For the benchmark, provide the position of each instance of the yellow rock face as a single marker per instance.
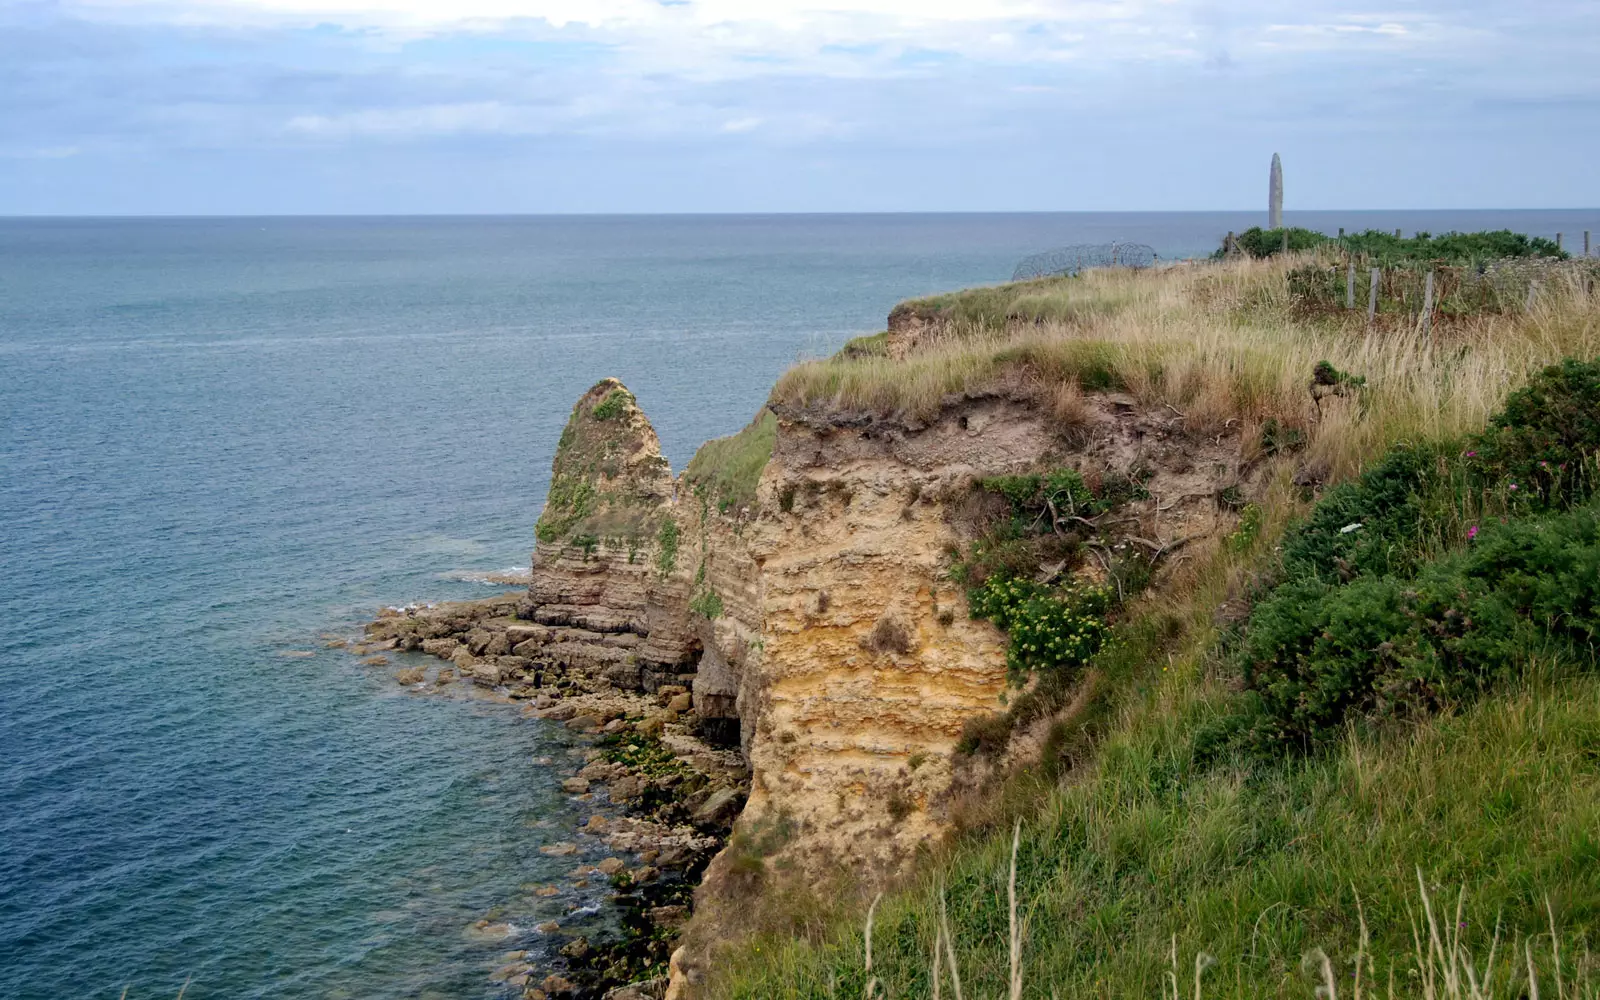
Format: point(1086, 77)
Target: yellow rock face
point(870, 664)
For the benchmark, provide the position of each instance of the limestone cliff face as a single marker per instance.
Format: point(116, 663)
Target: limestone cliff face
point(870, 664)
point(634, 578)
point(606, 579)
point(818, 626)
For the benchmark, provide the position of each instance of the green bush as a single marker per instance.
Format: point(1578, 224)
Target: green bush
point(1258, 242)
point(1049, 628)
point(1543, 444)
point(1371, 618)
point(1316, 653)
point(613, 405)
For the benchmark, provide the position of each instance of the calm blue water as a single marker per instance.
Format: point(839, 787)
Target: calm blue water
point(222, 438)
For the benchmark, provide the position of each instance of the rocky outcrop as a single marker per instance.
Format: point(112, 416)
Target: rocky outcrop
point(817, 628)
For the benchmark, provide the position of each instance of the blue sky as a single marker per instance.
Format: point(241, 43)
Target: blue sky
point(311, 106)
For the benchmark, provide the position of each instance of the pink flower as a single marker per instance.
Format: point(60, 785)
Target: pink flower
point(1472, 454)
point(1472, 532)
point(1513, 485)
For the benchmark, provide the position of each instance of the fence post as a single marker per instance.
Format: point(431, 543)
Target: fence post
point(1341, 232)
point(1372, 296)
point(1427, 305)
point(1397, 234)
point(1533, 293)
point(1350, 285)
point(1285, 239)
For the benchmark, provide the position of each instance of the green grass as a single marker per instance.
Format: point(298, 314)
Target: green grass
point(1255, 869)
point(728, 468)
point(1153, 842)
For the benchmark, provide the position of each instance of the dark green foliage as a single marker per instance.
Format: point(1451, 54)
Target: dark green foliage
point(1388, 502)
point(1382, 612)
point(1386, 249)
point(707, 605)
point(1258, 242)
point(1049, 628)
point(1324, 373)
point(1317, 653)
point(1546, 438)
point(613, 405)
point(1451, 248)
point(667, 546)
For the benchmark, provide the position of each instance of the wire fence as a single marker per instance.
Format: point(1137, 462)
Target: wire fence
point(1072, 260)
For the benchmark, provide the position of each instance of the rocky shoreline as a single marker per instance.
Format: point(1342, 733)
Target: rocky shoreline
point(673, 795)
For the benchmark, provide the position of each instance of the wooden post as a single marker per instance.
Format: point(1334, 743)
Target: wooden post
point(1397, 234)
point(1427, 305)
point(1286, 240)
point(1341, 232)
point(1372, 296)
point(1350, 285)
point(1533, 293)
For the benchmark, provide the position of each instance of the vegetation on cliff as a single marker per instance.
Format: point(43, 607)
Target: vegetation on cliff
point(609, 479)
point(726, 469)
point(1388, 679)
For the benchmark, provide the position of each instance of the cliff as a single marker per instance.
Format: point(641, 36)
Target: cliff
point(797, 579)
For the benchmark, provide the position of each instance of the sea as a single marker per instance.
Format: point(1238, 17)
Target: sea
point(226, 442)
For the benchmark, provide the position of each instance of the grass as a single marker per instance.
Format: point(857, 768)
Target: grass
point(1256, 873)
point(728, 468)
point(1218, 343)
point(1145, 856)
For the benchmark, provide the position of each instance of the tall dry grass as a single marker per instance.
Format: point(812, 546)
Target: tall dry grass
point(1223, 345)
point(1441, 965)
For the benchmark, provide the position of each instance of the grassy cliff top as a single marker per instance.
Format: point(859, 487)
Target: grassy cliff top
point(1435, 616)
point(1229, 341)
point(727, 469)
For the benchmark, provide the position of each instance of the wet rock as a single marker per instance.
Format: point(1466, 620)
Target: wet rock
point(410, 676)
point(610, 866)
point(463, 659)
point(614, 726)
point(546, 891)
point(445, 676)
point(720, 807)
point(560, 712)
point(644, 873)
point(576, 948)
point(375, 661)
point(548, 927)
point(666, 692)
point(584, 722)
point(575, 786)
point(560, 850)
point(497, 645)
point(626, 788)
point(650, 989)
point(554, 984)
point(442, 648)
point(668, 916)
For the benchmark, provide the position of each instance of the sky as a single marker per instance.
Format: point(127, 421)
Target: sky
point(443, 106)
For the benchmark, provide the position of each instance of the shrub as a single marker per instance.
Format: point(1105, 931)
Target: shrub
point(707, 605)
point(1258, 242)
point(1316, 653)
point(667, 546)
point(1371, 619)
point(1546, 438)
point(613, 405)
point(1049, 629)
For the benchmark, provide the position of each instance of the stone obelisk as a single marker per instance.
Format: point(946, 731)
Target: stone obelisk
point(1275, 195)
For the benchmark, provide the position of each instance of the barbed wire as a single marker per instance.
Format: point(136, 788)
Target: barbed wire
point(1066, 261)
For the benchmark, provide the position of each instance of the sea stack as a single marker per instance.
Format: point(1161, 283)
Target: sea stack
point(1275, 195)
